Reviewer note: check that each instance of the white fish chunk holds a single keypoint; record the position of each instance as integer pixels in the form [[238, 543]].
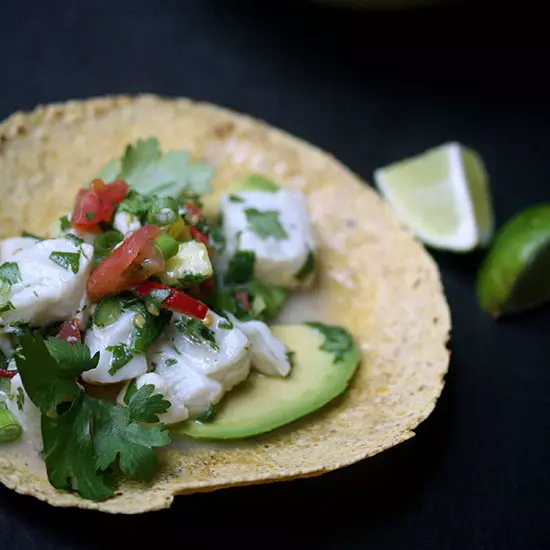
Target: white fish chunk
[[268, 354], [118, 334], [226, 360], [12, 246], [126, 222], [273, 225], [53, 276]]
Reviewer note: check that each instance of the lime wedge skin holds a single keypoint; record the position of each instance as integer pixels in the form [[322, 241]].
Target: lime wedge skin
[[514, 275]]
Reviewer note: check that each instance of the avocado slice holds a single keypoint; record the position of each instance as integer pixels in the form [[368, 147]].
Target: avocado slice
[[324, 361], [253, 182]]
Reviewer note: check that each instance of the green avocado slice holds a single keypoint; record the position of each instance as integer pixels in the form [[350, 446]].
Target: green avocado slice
[[253, 182], [325, 360]]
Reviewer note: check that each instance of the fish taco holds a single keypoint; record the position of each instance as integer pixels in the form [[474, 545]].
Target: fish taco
[[191, 299]]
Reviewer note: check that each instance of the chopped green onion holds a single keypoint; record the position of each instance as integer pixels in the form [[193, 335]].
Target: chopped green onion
[[105, 243], [167, 245], [163, 211], [10, 429], [107, 312]]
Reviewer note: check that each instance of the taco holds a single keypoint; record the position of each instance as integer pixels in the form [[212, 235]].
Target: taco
[[191, 299]]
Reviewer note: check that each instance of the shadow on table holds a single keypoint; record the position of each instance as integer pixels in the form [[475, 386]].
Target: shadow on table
[[367, 496]]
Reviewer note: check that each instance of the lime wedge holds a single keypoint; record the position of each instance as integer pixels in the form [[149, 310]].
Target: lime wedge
[[442, 195], [515, 275]]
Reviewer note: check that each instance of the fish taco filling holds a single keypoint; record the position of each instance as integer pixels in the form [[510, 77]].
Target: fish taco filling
[[136, 319]]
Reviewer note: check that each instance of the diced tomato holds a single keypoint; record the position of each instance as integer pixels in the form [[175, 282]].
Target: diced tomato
[[4, 373], [70, 332], [200, 237], [242, 297], [176, 300], [97, 204], [194, 211], [132, 263]]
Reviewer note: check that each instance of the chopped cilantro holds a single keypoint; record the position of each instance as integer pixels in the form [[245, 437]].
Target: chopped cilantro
[[235, 198], [241, 267], [90, 216], [28, 235], [308, 267], [149, 172], [64, 223], [290, 356], [143, 336], [6, 306], [77, 241], [217, 238], [9, 273], [135, 203], [170, 362], [20, 400], [265, 223], [121, 355], [196, 331], [267, 300], [226, 325], [207, 415], [67, 260], [338, 340]]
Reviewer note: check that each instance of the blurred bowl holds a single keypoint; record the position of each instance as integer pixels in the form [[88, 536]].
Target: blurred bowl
[[383, 4]]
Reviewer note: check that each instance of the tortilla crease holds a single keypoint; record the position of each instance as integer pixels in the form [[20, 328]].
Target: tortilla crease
[[374, 278]]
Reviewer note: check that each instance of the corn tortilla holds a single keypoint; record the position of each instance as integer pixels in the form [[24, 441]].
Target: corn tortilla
[[374, 278]]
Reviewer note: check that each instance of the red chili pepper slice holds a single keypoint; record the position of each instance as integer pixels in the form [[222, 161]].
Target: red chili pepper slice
[[4, 373], [242, 297], [176, 300]]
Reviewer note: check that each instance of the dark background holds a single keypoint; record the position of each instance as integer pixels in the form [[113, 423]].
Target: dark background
[[371, 88]]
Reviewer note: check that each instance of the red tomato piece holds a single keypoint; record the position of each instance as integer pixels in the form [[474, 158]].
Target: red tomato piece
[[97, 204], [242, 297], [132, 263], [200, 237], [70, 332], [176, 300], [194, 211]]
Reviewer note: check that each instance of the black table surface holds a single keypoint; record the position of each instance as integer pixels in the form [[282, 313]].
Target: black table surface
[[370, 88]]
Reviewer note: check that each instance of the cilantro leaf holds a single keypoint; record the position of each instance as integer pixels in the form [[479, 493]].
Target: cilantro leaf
[[308, 267], [265, 223], [121, 356], [196, 331], [153, 326], [135, 203], [118, 435], [75, 356], [6, 306], [143, 406], [67, 260], [338, 340], [208, 415], [240, 269], [147, 171], [69, 452], [9, 273], [64, 223], [50, 381]]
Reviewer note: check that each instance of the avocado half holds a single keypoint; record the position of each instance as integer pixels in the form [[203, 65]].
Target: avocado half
[[263, 403]]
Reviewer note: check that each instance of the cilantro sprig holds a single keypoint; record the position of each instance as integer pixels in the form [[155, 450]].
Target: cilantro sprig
[[88, 440], [148, 171]]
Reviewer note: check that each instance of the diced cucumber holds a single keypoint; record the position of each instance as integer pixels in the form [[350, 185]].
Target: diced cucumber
[[190, 265]]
